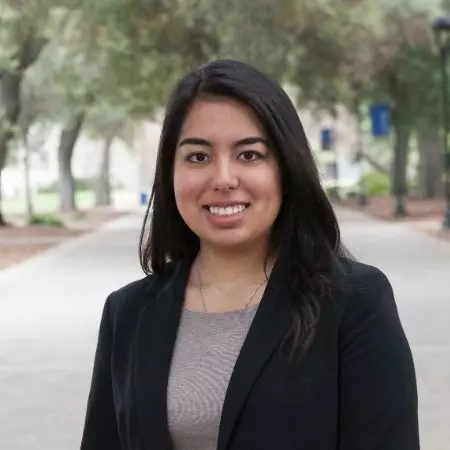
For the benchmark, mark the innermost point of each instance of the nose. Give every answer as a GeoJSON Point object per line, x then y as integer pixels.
{"type": "Point", "coordinates": [225, 176]}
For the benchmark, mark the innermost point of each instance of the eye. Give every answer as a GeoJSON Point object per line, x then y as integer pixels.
{"type": "Point", "coordinates": [197, 157]}
{"type": "Point", "coordinates": [250, 155]}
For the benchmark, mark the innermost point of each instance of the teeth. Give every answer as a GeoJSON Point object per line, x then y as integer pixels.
{"type": "Point", "coordinates": [228, 211]}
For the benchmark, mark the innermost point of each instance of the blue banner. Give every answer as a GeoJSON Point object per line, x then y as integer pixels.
{"type": "Point", "coordinates": [380, 115]}
{"type": "Point", "coordinates": [144, 198]}
{"type": "Point", "coordinates": [326, 139]}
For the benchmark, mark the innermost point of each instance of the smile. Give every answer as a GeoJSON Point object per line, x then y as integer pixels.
{"type": "Point", "coordinates": [227, 210]}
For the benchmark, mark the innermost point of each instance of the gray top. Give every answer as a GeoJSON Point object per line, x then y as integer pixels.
{"type": "Point", "coordinates": [205, 353]}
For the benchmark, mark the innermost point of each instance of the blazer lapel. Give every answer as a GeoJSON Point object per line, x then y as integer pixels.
{"type": "Point", "coordinates": [156, 335]}
{"type": "Point", "coordinates": [265, 333]}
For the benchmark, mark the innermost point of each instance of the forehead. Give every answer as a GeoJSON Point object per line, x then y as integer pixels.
{"type": "Point", "coordinates": [217, 118]}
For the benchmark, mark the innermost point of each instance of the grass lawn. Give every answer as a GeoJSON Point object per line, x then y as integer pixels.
{"type": "Point", "coordinates": [45, 203]}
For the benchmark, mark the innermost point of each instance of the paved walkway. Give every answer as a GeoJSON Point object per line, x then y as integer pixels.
{"type": "Point", "coordinates": [50, 308]}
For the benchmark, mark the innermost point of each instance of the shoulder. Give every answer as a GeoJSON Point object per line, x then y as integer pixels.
{"type": "Point", "coordinates": [366, 301]}
{"type": "Point", "coordinates": [377, 383]}
{"type": "Point", "coordinates": [362, 283]}
{"type": "Point", "coordinates": [363, 291]}
{"type": "Point", "coordinates": [356, 274]}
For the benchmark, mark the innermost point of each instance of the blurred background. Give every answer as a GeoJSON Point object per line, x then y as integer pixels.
{"type": "Point", "coordinates": [83, 90]}
{"type": "Point", "coordinates": [83, 87]}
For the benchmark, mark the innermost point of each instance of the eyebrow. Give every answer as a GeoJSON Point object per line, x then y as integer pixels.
{"type": "Point", "coordinates": [239, 143]}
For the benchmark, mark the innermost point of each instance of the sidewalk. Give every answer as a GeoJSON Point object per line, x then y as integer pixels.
{"type": "Point", "coordinates": [49, 315]}
{"type": "Point", "coordinates": [50, 309]}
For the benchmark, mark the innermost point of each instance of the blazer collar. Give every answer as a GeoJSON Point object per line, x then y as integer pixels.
{"type": "Point", "coordinates": [156, 336]}
{"type": "Point", "coordinates": [265, 333]}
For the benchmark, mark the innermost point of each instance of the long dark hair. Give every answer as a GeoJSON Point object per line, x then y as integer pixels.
{"type": "Point", "coordinates": [306, 224]}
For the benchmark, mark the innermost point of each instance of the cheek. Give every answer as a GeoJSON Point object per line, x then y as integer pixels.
{"type": "Point", "coordinates": [188, 186]}
{"type": "Point", "coordinates": [268, 186]}
{"type": "Point", "coordinates": [276, 185]}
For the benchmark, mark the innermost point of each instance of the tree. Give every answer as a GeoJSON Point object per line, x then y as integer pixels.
{"type": "Point", "coordinates": [74, 80]}
{"type": "Point", "coordinates": [260, 33]}
{"type": "Point", "coordinates": [141, 49]}
{"type": "Point", "coordinates": [384, 50]}
{"type": "Point", "coordinates": [26, 30]}
{"type": "Point", "coordinates": [103, 183]}
{"type": "Point", "coordinates": [25, 54]}
{"type": "Point", "coordinates": [108, 124]}
{"type": "Point", "coordinates": [124, 54]}
{"type": "Point", "coordinates": [410, 77]}
{"type": "Point", "coordinates": [37, 106]}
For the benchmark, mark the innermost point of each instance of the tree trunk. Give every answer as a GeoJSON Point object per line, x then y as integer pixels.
{"type": "Point", "coordinates": [69, 137]}
{"type": "Point", "coordinates": [430, 164]}
{"type": "Point", "coordinates": [28, 197]}
{"type": "Point", "coordinates": [2, 164]}
{"type": "Point", "coordinates": [399, 180]}
{"type": "Point", "coordinates": [402, 131]}
{"type": "Point", "coordinates": [400, 161]}
{"type": "Point", "coordinates": [103, 185]}
{"type": "Point", "coordinates": [10, 87]}
{"type": "Point", "coordinates": [10, 93]}
{"type": "Point", "coordinates": [3, 222]}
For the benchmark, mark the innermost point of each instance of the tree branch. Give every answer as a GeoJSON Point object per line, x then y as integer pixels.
{"type": "Point", "coordinates": [30, 50]}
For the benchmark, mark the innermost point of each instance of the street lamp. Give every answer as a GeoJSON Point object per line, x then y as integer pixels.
{"type": "Point", "coordinates": [441, 28]}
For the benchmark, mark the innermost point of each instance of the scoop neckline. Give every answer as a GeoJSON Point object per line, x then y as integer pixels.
{"type": "Point", "coordinates": [233, 312]}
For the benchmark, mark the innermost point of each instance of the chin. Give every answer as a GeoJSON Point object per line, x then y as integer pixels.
{"type": "Point", "coordinates": [232, 241]}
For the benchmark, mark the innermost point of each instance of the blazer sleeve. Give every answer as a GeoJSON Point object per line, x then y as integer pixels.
{"type": "Point", "coordinates": [100, 427]}
{"type": "Point", "coordinates": [377, 381]}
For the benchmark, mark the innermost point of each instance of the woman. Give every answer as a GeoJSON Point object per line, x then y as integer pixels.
{"type": "Point", "coordinates": [253, 329]}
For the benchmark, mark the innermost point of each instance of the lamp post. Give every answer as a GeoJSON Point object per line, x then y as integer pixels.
{"type": "Point", "coordinates": [441, 28]}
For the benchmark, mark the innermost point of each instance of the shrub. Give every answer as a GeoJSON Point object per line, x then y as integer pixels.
{"type": "Point", "coordinates": [80, 185]}
{"type": "Point", "coordinates": [45, 220]}
{"type": "Point", "coordinates": [49, 189]}
{"type": "Point", "coordinates": [332, 191]}
{"type": "Point", "coordinates": [376, 183]}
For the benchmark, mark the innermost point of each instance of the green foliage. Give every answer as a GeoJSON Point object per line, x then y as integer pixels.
{"type": "Point", "coordinates": [81, 185]}
{"type": "Point", "coordinates": [139, 50]}
{"type": "Point", "coordinates": [367, 51]}
{"type": "Point", "coordinates": [332, 192]}
{"type": "Point", "coordinates": [260, 33]}
{"type": "Point", "coordinates": [45, 220]}
{"type": "Point", "coordinates": [128, 54]}
{"type": "Point", "coordinates": [117, 60]}
{"type": "Point", "coordinates": [375, 183]}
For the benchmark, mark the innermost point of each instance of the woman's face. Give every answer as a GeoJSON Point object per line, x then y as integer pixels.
{"type": "Point", "coordinates": [226, 179]}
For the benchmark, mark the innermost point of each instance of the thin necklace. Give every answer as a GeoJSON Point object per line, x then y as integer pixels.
{"type": "Point", "coordinates": [247, 303]}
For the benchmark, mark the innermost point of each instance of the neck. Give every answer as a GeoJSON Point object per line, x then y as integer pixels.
{"type": "Point", "coordinates": [225, 267]}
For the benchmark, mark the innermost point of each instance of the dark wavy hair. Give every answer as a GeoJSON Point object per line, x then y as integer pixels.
{"type": "Point", "coordinates": [306, 225]}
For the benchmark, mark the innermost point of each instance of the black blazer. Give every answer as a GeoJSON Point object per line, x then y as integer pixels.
{"type": "Point", "coordinates": [354, 390]}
